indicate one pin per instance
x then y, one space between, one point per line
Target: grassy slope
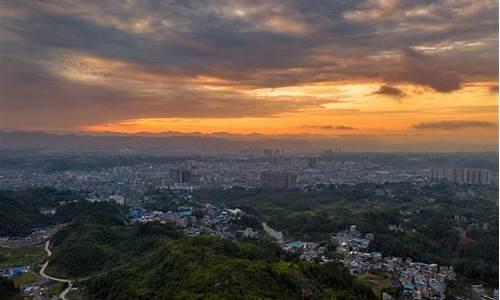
22 256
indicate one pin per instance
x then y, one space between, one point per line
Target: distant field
26 278
377 282
23 256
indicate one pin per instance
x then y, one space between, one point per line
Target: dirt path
62 295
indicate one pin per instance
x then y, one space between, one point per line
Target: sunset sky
402 68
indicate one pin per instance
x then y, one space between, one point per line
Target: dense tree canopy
155 261
445 224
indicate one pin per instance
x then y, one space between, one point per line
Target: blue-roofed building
136 214
19 270
296 244
359 242
185 213
13 272
39 229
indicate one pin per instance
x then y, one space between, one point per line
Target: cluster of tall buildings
312 163
187 174
460 175
278 180
273 153
180 175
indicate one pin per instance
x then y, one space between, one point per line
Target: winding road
62 295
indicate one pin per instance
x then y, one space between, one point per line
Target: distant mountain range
193 142
223 142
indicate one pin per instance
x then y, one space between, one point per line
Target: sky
373 68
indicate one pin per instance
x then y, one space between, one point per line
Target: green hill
155 262
445 224
20 210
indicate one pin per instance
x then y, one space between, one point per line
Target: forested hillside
444 224
154 261
20 210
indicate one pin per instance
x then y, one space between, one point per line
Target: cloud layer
329 127
70 63
453 125
390 91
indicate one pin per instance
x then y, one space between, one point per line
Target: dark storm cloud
390 91
452 125
249 44
210 37
494 89
345 127
329 127
422 70
64 103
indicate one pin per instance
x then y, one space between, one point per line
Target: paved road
62 295
277 235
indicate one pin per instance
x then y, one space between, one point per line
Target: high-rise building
118 199
175 175
185 176
278 180
275 153
312 163
460 175
180 175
